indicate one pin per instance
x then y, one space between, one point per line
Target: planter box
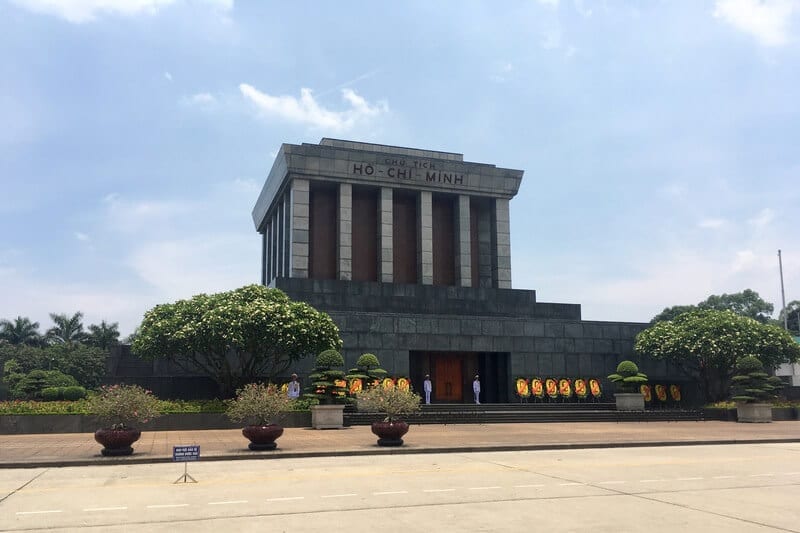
754 412
22 424
629 401
327 416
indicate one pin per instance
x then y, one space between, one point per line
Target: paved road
694 488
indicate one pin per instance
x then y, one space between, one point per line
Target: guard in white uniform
293 390
427 386
476 389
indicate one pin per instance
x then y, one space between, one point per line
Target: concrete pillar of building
385 235
280 222
501 265
286 243
345 223
463 244
264 257
298 231
426 237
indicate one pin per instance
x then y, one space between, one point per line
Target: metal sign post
185 454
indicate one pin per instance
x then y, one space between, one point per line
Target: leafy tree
67 329
792 316
104 335
30 385
236 337
20 331
670 313
86 364
746 303
706 344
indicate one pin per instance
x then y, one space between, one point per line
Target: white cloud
766 20
712 223
582 10
764 218
502 72
549 3
551 39
80 11
306 110
199 99
132 217
167 76
81 236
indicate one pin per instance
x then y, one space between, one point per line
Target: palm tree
67 330
20 331
104 335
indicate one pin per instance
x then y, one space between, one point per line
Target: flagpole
783 294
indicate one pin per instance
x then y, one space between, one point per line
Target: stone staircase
527 413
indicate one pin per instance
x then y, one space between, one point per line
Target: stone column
273 247
385 236
298 231
264 257
463 248
286 243
345 223
501 265
426 238
281 231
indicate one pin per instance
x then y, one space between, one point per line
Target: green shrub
51 394
627 377
73 393
30 385
367 370
258 404
751 384
329 359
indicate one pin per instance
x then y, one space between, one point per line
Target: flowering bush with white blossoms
123 406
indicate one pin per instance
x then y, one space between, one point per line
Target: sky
660 140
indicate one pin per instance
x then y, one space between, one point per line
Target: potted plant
392 402
122 408
751 389
329 388
628 380
366 374
259 405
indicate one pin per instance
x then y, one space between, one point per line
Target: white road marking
286 499
570 484
688 478
609 482
789 473
168 505
390 492
105 509
528 486
723 477
40 512
652 480
439 490
761 475
232 502
484 488
338 495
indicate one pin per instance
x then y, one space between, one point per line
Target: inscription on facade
408 169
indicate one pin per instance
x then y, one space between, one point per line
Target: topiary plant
367 369
627 377
751 384
327 378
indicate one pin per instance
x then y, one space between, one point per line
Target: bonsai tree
258 404
327 378
392 402
627 377
751 384
367 370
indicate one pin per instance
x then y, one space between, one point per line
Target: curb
99 460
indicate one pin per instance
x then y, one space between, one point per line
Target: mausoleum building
409 251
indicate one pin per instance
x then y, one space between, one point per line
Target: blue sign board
186 453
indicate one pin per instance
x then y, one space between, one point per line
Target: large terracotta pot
117 441
262 437
390 433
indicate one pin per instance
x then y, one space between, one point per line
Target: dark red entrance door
447 372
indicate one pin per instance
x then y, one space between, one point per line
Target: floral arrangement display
580 388
594 388
392 402
537 388
647 392
564 388
403 384
675 393
627 377
123 406
551 387
356 385
661 392
387 383
522 388
258 404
